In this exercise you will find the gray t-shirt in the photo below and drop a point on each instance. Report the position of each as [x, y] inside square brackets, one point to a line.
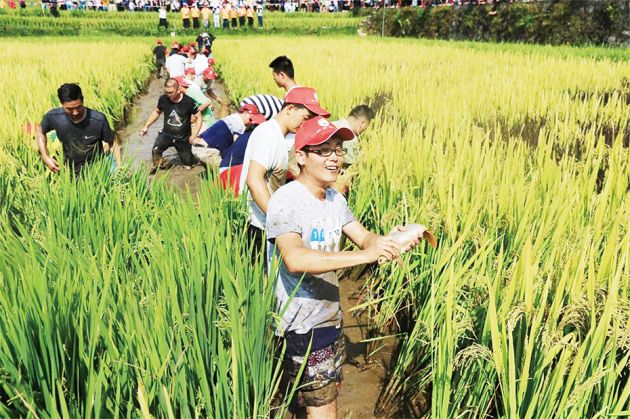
[293, 209]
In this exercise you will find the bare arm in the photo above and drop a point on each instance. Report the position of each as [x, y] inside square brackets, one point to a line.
[298, 258]
[42, 144]
[152, 118]
[205, 106]
[257, 185]
[196, 120]
[360, 235]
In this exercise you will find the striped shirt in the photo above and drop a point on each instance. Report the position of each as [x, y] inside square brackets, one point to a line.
[267, 105]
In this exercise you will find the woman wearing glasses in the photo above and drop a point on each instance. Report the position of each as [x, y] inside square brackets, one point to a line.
[304, 224]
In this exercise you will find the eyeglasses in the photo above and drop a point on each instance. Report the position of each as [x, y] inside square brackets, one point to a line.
[327, 152]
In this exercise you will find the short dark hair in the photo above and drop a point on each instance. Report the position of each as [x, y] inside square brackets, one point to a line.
[282, 64]
[68, 92]
[296, 105]
[362, 111]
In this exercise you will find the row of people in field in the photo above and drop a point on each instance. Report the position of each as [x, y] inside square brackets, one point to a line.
[288, 156]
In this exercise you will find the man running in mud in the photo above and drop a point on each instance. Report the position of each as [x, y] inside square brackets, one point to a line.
[182, 123]
[81, 131]
[304, 224]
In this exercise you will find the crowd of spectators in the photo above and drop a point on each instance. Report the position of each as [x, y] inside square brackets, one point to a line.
[245, 10]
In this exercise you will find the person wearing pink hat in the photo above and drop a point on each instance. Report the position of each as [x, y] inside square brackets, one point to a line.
[266, 159]
[221, 134]
[304, 224]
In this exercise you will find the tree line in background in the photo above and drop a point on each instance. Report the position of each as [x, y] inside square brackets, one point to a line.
[574, 22]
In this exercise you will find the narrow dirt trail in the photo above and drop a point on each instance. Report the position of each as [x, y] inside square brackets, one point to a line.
[361, 386]
[138, 148]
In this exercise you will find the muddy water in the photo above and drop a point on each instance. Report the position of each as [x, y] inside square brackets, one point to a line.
[361, 386]
[137, 148]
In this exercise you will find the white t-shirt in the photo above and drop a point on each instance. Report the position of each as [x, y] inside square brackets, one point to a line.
[235, 123]
[266, 146]
[294, 209]
[162, 14]
[175, 65]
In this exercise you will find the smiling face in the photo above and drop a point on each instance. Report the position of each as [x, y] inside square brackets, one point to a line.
[315, 165]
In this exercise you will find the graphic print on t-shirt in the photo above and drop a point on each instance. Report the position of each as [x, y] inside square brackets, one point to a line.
[325, 235]
[174, 120]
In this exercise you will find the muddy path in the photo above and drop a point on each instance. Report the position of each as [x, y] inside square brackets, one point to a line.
[137, 148]
[362, 383]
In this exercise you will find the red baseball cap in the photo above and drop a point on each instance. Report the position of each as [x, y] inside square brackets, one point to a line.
[189, 70]
[210, 61]
[182, 81]
[318, 130]
[159, 42]
[184, 48]
[307, 97]
[255, 117]
[209, 74]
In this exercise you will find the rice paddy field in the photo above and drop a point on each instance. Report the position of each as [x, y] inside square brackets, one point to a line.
[122, 299]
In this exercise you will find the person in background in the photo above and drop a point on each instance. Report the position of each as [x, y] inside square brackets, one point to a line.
[304, 224]
[221, 134]
[216, 14]
[259, 12]
[163, 16]
[234, 16]
[268, 105]
[283, 73]
[209, 75]
[266, 159]
[241, 15]
[185, 15]
[358, 120]
[194, 13]
[225, 15]
[249, 12]
[160, 57]
[202, 101]
[205, 16]
[81, 130]
[284, 76]
[182, 123]
[175, 63]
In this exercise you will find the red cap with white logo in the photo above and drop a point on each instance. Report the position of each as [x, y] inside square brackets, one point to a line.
[318, 130]
[306, 97]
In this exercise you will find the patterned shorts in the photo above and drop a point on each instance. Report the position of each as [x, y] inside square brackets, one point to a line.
[318, 385]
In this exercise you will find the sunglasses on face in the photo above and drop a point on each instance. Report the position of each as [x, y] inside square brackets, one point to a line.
[327, 152]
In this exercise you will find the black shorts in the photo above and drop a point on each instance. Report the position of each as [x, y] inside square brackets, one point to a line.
[183, 147]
